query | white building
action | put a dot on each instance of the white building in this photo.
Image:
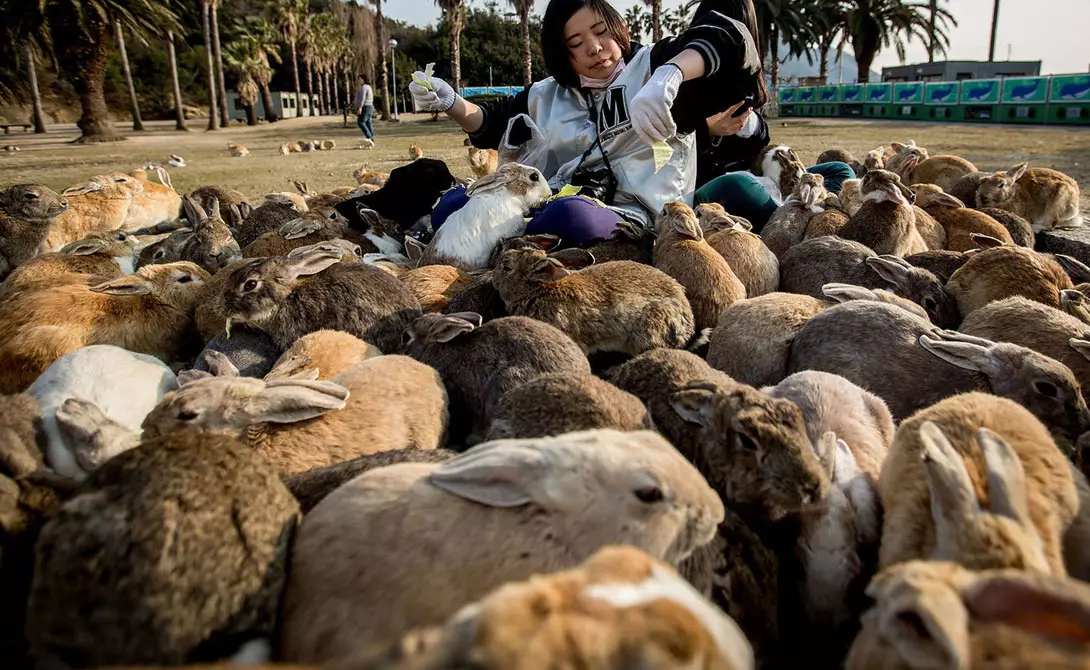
(284, 105)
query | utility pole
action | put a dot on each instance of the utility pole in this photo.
(995, 28)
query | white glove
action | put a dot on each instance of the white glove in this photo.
(651, 118)
(439, 100)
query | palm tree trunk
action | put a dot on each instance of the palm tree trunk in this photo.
(266, 100)
(865, 43)
(321, 94)
(656, 20)
(327, 93)
(995, 29)
(137, 123)
(213, 109)
(527, 54)
(251, 113)
(826, 44)
(310, 89)
(383, 80)
(774, 56)
(336, 92)
(225, 115)
(295, 76)
(931, 32)
(456, 47)
(35, 94)
(84, 60)
(178, 111)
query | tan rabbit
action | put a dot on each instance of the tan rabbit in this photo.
(957, 220)
(106, 254)
(886, 221)
(330, 352)
(682, 252)
(745, 252)
(237, 150)
(1007, 271)
(898, 153)
(617, 306)
(1046, 198)
(787, 225)
(415, 152)
(874, 160)
(435, 285)
(937, 467)
(364, 177)
(483, 162)
(27, 212)
(944, 171)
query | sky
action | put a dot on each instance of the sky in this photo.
(1052, 31)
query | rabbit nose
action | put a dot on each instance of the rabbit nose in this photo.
(64, 203)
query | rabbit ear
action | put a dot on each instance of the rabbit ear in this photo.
(1081, 346)
(688, 227)
(218, 363)
(548, 270)
(92, 436)
(85, 247)
(493, 182)
(986, 241)
(897, 146)
(236, 214)
(1050, 606)
(890, 268)
(826, 453)
(451, 326)
(1076, 269)
(965, 355)
(194, 213)
(846, 292)
(292, 400)
(695, 405)
(1016, 172)
(573, 258)
(311, 260)
(1006, 478)
(245, 210)
(297, 228)
(543, 242)
(627, 229)
(414, 250)
(126, 285)
(190, 376)
(927, 625)
(498, 474)
(953, 498)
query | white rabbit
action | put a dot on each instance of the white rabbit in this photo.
(496, 209)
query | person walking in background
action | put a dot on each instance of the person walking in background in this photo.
(365, 108)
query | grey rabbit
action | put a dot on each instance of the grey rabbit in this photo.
(211, 246)
(311, 290)
(265, 219)
(171, 552)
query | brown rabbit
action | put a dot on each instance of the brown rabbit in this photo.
(628, 242)
(265, 219)
(959, 221)
(320, 224)
(435, 285)
(26, 214)
(841, 156)
(885, 222)
(944, 171)
(483, 162)
(898, 153)
(1046, 198)
(1020, 229)
(618, 306)
(212, 246)
(358, 299)
(746, 254)
(1007, 271)
(105, 254)
(787, 225)
(682, 252)
(415, 152)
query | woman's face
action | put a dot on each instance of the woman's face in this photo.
(593, 51)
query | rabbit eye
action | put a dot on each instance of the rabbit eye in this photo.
(159, 254)
(1047, 389)
(929, 304)
(250, 285)
(185, 279)
(649, 495)
(187, 415)
(406, 337)
(744, 442)
(333, 216)
(533, 177)
(31, 196)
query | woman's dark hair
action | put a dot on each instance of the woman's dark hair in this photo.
(555, 48)
(743, 12)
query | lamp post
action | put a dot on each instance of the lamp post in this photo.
(393, 64)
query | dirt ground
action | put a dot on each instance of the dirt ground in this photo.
(51, 160)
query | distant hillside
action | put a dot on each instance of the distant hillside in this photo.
(800, 67)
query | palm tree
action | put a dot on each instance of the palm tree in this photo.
(382, 79)
(289, 15)
(35, 94)
(635, 18)
(213, 107)
(656, 19)
(828, 21)
(243, 59)
(523, 7)
(225, 116)
(454, 11)
(261, 37)
(874, 24)
(83, 29)
(137, 123)
(995, 28)
(783, 21)
(178, 110)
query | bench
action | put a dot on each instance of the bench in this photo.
(8, 126)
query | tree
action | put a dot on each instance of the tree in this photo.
(454, 13)
(137, 123)
(656, 19)
(636, 20)
(289, 15)
(35, 94)
(260, 39)
(213, 107)
(242, 57)
(828, 17)
(787, 22)
(875, 24)
(995, 29)
(522, 8)
(674, 22)
(382, 46)
(225, 116)
(83, 31)
(176, 85)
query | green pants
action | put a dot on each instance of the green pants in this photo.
(740, 193)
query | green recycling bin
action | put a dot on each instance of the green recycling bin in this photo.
(788, 96)
(908, 100)
(877, 99)
(1069, 99)
(980, 99)
(807, 101)
(1024, 100)
(851, 98)
(941, 101)
(828, 103)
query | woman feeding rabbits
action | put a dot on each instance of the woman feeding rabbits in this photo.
(616, 121)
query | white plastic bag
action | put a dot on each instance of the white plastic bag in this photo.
(525, 143)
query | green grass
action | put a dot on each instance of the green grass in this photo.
(51, 160)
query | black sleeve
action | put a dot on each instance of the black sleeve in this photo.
(731, 67)
(719, 155)
(496, 115)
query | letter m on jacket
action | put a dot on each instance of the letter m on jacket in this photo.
(614, 110)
